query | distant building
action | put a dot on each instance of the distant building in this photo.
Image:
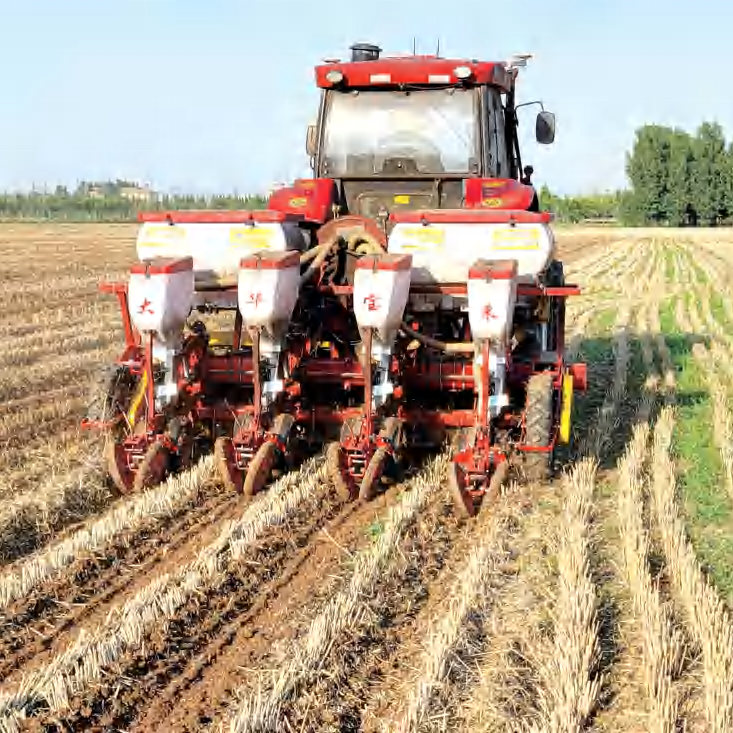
(94, 191)
(137, 193)
(113, 189)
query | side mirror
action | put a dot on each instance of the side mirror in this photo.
(311, 141)
(545, 128)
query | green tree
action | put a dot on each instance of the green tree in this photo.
(729, 182)
(573, 209)
(680, 204)
(647, 167)
(710, 181)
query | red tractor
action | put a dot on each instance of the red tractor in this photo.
(406, 294)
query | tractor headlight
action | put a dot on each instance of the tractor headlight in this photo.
(335, 76)
(463, 72)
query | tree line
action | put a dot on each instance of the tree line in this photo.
(675, 179)
(575, 209)
(117, 201)
(678, 179)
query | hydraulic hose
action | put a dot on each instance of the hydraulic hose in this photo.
(363, 243)
(360, 243)
(459, 347)
(321, 252)
(310, 254)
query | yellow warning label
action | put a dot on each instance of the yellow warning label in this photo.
(423, 238)
(161, 236)
(516, 238)
(402, 199)
(249, 237)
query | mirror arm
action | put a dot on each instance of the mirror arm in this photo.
(529, 104)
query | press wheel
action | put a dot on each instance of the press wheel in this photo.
(153, 468)
(259, 469)
(117, 468)
(462, 497)
(373, 475)
(334, 454)
(226, 465)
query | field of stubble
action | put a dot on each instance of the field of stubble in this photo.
(599, 602)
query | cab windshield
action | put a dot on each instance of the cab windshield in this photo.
(400, 133)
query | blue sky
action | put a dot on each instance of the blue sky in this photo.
(215, 95)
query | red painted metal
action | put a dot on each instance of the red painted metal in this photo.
(498, 193)
(469, 216)
(439, 289)
(385, 262)
(522, 289)
(132, 338)
(213, 217)
(419, 70)
(487, 270)
(566, 291)
(256, 377)
(270, 261)
(162, 266)
(485, 387)
(311, 199)
(233, 369)
(580, 376)
(348, 372)
(330, 371)
(439, 418)
(150, 384)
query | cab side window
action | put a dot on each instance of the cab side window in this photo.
(497, 135)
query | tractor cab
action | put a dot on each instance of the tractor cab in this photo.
(417, 132)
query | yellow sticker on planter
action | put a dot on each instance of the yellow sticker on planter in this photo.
(516, 238)
(258, 237)
(161, 236)
(423, 238)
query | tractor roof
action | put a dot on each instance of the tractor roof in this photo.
(414, 70)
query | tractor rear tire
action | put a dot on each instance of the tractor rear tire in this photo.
(538, 427)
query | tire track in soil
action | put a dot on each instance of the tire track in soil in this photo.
(210, 679)
(143, 673)
(432, 549)
(35, 628)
